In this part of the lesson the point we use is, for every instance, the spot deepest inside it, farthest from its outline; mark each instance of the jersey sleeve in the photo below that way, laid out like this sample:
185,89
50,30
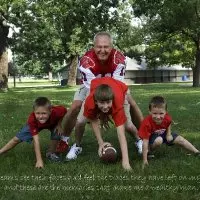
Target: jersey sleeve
84,67
145,130
60,111
33,126
120,61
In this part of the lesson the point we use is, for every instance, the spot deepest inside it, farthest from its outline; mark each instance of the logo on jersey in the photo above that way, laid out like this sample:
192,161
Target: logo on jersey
119,58
87,62
160,131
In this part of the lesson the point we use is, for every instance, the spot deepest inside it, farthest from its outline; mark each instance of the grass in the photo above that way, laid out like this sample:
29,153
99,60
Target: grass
171,175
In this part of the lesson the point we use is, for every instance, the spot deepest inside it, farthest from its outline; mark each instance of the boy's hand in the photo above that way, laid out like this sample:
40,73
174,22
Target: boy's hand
169,138
102,146
145,164
126,166
39,164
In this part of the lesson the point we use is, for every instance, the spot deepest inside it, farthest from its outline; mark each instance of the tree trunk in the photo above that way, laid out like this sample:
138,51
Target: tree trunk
4,71
196,70
73,71
50,76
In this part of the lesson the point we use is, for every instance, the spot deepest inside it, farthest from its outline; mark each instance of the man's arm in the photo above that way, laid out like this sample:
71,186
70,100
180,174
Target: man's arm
36,143
123,146
135,111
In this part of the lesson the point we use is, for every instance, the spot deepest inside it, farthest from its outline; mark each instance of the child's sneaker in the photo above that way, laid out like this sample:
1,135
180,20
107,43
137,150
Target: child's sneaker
138,145
53,157
150,156
62,146
73,153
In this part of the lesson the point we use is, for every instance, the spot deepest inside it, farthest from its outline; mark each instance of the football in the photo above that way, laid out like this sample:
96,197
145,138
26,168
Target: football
109,155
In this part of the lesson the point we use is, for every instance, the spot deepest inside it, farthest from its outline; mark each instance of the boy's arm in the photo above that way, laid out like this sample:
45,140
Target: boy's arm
169,134
123,146
97,132
36,143
145,147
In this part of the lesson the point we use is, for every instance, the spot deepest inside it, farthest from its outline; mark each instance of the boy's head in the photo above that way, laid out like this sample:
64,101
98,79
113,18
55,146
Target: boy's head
103,97
42,109
157,109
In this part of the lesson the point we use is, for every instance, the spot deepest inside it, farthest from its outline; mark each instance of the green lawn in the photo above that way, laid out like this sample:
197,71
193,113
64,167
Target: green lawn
171,175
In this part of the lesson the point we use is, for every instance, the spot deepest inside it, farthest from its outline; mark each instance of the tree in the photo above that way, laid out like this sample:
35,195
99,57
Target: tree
172,32
4,29
57,30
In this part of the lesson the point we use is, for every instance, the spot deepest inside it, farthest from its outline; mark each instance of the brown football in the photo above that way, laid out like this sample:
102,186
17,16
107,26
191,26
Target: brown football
109,155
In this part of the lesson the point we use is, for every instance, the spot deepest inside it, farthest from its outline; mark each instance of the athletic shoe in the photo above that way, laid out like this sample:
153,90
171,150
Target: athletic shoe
138,145
53,157
73,152
150,156
62,146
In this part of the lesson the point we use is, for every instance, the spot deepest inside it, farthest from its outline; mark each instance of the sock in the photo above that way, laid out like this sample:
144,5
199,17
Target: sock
65,138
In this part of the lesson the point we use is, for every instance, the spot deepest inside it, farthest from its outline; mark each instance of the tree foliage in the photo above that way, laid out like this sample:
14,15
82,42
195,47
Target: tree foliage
172,32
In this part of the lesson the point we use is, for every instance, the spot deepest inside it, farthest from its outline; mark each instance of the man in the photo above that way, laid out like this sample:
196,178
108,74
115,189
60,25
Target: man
98,62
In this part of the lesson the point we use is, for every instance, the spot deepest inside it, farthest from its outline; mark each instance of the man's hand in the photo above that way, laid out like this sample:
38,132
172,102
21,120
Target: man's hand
39,164
102,146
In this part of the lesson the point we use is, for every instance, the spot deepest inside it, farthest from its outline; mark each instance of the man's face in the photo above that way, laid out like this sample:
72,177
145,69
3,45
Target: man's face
158,114
104,106
102,47
42,114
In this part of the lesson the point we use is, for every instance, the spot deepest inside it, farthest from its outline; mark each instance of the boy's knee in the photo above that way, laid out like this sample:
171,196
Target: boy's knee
179,140
158,141
16,140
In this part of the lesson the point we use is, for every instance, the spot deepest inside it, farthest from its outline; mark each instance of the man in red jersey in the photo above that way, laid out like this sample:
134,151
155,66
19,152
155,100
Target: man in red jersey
44,116
101,61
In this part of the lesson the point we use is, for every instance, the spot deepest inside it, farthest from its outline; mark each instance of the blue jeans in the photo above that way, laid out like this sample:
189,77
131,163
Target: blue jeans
24,135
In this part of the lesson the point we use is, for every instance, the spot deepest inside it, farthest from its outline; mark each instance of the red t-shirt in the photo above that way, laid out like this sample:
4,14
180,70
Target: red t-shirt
91,110
149,127
57,113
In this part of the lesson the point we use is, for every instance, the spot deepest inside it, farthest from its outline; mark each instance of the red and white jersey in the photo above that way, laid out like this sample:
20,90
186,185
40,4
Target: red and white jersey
91,68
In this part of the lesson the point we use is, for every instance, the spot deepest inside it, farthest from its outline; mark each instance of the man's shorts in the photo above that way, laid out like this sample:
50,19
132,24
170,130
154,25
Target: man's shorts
24,135
154,136
81,93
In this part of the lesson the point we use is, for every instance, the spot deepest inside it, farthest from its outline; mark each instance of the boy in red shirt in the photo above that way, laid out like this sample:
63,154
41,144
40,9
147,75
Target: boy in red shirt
155,129
44,116
107,97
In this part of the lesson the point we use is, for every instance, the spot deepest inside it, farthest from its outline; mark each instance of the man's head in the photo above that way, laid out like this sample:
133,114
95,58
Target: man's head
103,97
42,109
158,109
102,45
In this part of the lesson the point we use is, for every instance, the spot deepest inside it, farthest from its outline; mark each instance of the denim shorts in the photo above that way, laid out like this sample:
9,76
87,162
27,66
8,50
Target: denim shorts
163,136
24,135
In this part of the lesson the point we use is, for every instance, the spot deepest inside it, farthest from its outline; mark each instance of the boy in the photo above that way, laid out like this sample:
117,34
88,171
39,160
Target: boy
155,129
107,97
44,116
